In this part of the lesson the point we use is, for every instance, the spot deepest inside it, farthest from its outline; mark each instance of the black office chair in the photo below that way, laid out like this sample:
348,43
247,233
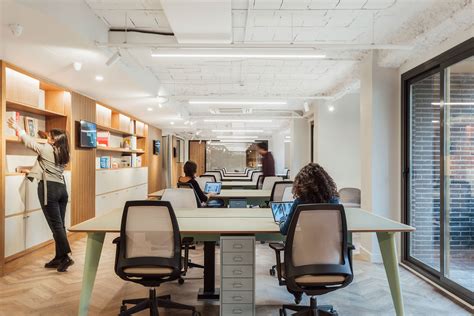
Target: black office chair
149,253
214,203
317,256
259,183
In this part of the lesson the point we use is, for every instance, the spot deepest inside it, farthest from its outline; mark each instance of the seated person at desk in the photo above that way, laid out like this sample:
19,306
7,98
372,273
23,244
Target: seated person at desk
190,169
312,185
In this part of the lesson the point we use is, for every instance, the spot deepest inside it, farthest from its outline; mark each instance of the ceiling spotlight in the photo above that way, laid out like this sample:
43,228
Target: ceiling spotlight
149,109
331,108
306,106
113,59
77,66
172,123
198,132
161,99
160,105
288,137
99,78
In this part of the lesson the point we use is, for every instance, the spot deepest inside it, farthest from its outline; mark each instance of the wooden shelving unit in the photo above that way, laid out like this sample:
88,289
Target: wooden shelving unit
115,131
19,106
15,139
120,150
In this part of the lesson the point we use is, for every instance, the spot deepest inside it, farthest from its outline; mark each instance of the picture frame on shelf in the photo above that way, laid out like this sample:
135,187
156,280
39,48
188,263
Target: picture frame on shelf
31,126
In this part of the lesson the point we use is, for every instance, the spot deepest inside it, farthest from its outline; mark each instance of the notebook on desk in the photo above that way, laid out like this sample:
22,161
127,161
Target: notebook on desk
213,187
280,210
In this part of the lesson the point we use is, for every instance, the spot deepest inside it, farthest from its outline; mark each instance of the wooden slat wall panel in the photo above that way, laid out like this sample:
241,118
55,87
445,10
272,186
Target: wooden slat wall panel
197,153
2,168
82,163
154,162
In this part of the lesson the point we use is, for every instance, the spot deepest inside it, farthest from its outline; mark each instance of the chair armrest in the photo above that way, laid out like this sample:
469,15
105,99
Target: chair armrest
277,246
116,240
351,247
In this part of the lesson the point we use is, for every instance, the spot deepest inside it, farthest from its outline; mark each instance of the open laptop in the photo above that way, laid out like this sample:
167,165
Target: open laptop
213,187
280,210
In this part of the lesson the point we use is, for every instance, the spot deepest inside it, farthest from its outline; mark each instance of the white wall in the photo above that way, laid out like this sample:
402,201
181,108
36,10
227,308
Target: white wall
300,144
337,140
277,147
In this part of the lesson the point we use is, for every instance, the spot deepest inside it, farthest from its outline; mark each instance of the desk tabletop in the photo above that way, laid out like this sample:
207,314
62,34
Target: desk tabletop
247,184
232,178
228,193
240,221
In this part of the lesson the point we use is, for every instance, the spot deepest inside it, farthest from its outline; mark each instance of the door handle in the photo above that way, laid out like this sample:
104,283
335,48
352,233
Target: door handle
238,259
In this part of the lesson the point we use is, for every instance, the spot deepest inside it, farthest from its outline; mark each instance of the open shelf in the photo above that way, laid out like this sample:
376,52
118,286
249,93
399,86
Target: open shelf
13,105
116,131
120,150
107,169
16,139
14,174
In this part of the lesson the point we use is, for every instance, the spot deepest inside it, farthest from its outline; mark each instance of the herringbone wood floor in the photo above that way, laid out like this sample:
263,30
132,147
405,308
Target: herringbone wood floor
29,289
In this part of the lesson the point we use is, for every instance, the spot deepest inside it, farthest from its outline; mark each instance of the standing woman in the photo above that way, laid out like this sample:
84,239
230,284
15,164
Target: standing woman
48,170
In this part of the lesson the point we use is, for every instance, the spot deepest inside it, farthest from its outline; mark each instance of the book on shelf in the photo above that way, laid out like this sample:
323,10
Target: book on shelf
97,162
103,138
134,160
16,117
105,162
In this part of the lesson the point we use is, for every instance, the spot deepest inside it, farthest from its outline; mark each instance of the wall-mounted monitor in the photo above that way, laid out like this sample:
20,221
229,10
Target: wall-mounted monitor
87,134
156,147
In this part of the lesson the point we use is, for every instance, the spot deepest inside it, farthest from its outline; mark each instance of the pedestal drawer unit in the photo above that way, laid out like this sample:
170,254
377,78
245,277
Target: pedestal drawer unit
237,275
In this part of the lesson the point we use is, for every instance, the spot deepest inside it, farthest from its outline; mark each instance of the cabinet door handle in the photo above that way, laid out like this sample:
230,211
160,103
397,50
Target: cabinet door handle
237,311
237,298
237,285
238,246
238,259
237,272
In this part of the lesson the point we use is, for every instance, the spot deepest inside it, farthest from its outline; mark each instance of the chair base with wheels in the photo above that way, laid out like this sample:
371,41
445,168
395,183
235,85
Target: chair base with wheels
152,303
312,310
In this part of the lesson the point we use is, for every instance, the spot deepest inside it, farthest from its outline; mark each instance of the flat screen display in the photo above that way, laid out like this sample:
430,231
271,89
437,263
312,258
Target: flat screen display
280,210
156,147
88,134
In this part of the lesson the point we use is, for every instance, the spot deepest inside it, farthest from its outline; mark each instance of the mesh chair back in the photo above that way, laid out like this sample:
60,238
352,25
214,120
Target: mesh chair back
268,182
259,183
255,175
149,238
279,189
208,177
288,194
184,185
350,196
317,245
180,198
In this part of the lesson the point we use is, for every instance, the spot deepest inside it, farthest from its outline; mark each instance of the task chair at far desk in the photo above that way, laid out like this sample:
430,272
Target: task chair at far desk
149,253
317,256
184,198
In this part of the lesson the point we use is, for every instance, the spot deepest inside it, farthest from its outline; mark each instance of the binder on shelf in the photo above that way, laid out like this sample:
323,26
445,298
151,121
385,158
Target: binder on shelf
105,162
103,138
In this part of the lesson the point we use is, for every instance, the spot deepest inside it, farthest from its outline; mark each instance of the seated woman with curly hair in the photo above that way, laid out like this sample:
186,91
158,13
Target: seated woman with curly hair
312,185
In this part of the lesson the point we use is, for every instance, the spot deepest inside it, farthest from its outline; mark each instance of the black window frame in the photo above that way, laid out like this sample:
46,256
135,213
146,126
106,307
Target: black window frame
435,65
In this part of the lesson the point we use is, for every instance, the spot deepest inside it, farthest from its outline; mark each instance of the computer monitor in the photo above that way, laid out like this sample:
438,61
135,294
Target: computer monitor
237,203
213,187
280,210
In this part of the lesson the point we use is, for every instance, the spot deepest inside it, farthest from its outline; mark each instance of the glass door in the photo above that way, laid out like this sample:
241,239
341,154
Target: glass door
459,174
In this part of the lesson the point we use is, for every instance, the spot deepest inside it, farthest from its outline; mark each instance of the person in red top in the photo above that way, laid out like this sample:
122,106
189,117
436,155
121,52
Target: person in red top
268,163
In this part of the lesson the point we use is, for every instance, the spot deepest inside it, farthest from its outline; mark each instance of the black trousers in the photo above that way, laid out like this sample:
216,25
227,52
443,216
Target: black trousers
55,212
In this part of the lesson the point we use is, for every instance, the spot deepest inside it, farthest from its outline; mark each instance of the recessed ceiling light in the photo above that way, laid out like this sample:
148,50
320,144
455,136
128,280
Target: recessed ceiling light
267,56
288,137
149,109
452,103
287,141
237,130
238,120
306,107
331,108
238,102
172,123
435,121
99,78
77,66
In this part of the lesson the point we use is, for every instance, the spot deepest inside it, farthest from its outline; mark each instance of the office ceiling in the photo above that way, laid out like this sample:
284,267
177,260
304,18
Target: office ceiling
343,30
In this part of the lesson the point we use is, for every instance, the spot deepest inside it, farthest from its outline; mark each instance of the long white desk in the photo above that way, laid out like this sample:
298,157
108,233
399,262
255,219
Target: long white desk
207,224
239,184
226,194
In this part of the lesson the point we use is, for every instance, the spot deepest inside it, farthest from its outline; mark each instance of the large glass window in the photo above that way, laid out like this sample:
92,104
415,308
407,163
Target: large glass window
232,156
438,164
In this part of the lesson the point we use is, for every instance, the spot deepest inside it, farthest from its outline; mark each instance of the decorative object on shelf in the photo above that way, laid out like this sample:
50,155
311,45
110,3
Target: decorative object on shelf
130,142
31,126
126,161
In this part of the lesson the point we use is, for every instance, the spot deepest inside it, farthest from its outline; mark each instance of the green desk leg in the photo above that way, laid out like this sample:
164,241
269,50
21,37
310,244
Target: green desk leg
95,241
388,250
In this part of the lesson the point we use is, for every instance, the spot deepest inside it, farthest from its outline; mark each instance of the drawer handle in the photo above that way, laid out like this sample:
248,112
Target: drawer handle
237,298
237,272
238,246
237,285
237,311
238,259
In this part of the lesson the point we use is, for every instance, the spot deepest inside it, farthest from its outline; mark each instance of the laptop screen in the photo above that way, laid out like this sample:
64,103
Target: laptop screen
213,187
280,210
